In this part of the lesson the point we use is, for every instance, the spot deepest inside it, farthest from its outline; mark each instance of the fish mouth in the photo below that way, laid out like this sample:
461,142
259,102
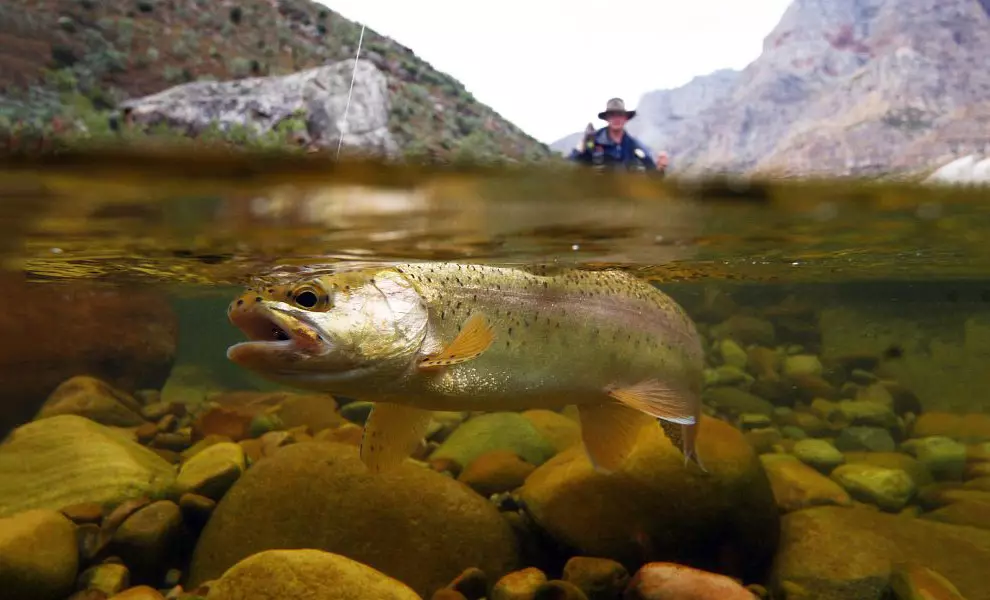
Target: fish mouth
272,333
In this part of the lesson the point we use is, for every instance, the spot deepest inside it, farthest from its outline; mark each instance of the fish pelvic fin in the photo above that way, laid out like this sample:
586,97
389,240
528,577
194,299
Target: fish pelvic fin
683,437
609,432
659,400
391,434
475,336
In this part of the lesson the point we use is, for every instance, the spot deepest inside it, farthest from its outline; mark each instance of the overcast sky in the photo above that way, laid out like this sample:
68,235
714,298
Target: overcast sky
549,66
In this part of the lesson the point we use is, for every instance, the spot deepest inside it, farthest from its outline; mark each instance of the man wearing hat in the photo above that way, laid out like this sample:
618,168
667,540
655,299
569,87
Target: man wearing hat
612,146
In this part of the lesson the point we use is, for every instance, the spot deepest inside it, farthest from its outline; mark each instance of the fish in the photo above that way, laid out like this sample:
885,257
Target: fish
418,337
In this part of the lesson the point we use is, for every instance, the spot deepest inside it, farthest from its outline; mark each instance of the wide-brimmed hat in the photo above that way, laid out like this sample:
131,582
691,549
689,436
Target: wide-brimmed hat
616,105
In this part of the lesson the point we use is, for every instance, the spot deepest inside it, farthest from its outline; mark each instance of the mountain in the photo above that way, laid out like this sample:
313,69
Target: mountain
842,87
66,59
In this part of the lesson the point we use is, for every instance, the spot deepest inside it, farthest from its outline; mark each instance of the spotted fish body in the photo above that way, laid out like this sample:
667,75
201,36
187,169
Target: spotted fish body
449,336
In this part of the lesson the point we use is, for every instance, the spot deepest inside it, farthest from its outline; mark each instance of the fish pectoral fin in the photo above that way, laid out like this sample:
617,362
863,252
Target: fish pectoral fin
657,399
609,432
475,336
391,433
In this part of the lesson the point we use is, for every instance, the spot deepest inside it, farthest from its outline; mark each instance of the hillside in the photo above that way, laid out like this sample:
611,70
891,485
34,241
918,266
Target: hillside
68,60
844,87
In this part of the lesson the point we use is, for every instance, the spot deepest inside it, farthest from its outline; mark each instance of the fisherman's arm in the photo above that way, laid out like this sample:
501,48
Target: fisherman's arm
579,154
645,157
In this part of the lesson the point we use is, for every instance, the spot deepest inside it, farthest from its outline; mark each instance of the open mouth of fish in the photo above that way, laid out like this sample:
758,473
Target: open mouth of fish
270,330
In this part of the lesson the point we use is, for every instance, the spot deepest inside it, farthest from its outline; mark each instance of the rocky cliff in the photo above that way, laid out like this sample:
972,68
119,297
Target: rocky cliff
842,87
73,61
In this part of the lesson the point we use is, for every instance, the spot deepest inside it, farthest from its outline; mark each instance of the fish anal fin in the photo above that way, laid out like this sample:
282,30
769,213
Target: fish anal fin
475,336
609,432
391,433
683,437
658,399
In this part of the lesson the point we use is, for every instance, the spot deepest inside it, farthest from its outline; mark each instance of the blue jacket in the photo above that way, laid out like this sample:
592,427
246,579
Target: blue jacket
607,153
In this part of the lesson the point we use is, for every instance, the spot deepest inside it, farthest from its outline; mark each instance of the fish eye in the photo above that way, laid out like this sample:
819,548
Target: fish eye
307,299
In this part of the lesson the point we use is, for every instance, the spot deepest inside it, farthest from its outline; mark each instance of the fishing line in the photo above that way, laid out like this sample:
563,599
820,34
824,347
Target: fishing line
347,106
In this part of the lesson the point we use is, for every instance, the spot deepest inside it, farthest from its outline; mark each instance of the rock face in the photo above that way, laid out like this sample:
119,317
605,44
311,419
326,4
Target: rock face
319,94
850,87
413,524
663,114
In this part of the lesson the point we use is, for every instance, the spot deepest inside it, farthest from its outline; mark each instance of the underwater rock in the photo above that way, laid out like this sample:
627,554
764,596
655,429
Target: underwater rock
725,520
746,330
734,402
796,485
495,431
519,585
966,512
141,592
732,353
306,573
94,399
64,460
860,438
938,495
149,539
124,337
973,428
556,589
38,556
911,581
357,412
448,594
866,412
413,524
893,460
890,489
560,430
819,454
801,365
669,581
838,553
196,509
472,584
212,471
945,458
495,472
109,578
598,578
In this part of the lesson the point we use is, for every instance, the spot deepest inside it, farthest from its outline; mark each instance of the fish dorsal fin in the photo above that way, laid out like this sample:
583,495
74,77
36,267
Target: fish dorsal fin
609,432
657,399
391,433
475,336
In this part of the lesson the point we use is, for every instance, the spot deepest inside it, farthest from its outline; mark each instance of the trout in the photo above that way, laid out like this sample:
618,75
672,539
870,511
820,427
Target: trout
414,338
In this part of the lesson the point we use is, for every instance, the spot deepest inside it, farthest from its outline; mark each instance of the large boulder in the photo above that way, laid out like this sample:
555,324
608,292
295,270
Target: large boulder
63,460
319,95
657,509
833,553
38,556
306,573
412,524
